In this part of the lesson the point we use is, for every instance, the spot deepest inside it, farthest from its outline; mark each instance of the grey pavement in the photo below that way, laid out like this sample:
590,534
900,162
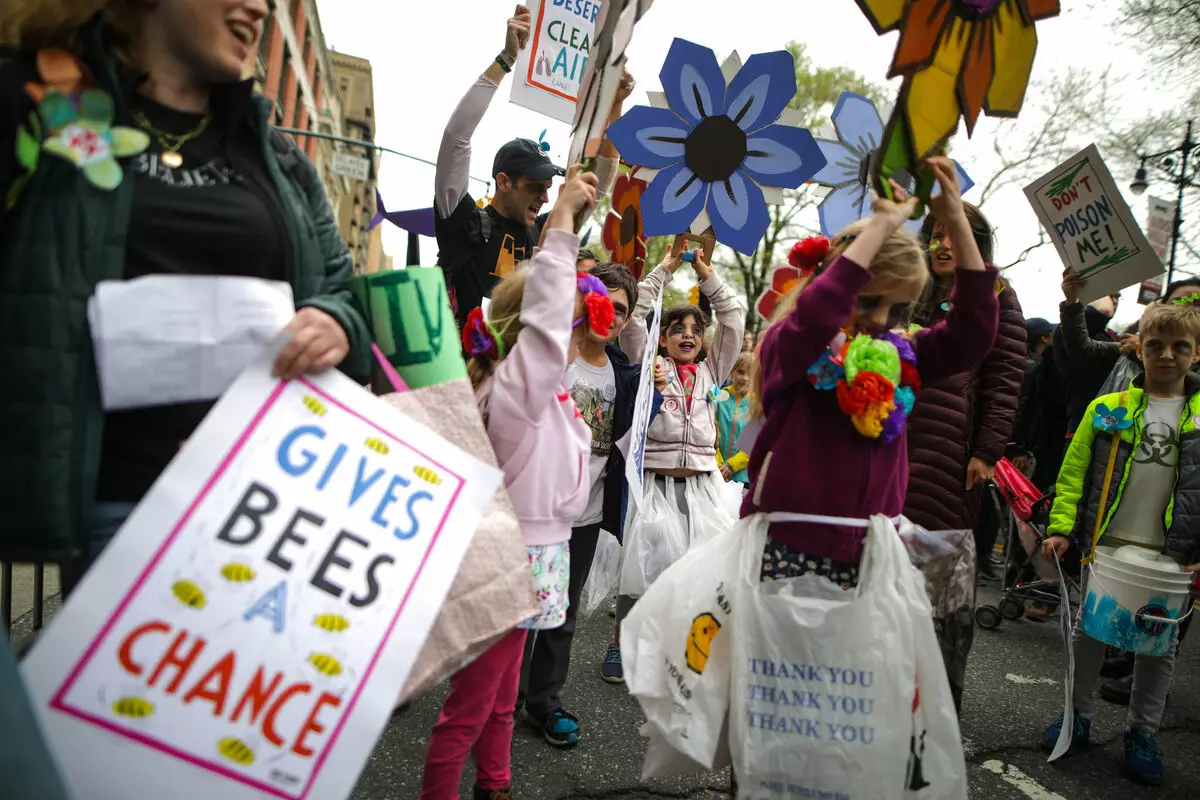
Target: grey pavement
1014,690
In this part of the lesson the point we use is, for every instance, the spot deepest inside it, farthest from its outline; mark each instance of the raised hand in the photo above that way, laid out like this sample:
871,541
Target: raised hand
577,196
517,34
947,204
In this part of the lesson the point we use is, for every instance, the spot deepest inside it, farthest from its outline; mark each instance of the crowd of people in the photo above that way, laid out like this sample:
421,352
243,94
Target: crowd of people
890,381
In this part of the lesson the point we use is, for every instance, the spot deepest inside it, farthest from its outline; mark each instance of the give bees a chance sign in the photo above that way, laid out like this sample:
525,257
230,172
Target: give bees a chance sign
248,630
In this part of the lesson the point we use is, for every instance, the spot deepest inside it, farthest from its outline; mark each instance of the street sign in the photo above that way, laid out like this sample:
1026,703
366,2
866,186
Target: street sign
349,165
1160,226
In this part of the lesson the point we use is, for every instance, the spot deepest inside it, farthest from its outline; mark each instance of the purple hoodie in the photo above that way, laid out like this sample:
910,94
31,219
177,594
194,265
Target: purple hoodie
808,458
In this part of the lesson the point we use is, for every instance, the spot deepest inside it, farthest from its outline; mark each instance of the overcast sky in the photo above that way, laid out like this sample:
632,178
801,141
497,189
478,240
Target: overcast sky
426,54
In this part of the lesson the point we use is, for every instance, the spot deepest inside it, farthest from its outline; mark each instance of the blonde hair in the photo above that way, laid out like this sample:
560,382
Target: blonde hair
1171,319
900,261
37,24
504,315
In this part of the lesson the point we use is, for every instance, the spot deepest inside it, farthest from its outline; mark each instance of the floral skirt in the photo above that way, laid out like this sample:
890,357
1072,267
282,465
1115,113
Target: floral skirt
550,565
781,562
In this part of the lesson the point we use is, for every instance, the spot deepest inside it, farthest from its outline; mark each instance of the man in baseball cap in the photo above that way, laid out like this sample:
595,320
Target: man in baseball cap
478,244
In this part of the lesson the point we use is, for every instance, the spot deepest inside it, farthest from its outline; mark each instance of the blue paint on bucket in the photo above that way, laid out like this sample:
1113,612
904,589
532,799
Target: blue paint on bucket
1108,621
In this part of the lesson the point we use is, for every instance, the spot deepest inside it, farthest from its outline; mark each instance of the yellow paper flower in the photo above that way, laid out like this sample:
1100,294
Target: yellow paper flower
870,422
959,57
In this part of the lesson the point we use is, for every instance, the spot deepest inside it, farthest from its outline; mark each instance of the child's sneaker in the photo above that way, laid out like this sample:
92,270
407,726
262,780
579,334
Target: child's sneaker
1080,734
493,794
1143,759
611,669
560,729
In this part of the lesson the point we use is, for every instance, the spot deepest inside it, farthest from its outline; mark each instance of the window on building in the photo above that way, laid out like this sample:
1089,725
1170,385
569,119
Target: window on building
367,111
281,89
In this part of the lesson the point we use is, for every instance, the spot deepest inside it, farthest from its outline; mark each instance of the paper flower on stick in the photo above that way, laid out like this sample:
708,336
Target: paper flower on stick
958,57
82,133
803,260
623,236
717,146
1112,419
859,130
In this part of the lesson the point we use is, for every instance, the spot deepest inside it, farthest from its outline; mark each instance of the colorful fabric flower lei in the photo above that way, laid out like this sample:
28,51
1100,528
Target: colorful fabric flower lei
876,381
479,338
600,312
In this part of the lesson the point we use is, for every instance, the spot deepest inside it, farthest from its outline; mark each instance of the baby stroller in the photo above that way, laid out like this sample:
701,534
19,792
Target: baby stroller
1037,578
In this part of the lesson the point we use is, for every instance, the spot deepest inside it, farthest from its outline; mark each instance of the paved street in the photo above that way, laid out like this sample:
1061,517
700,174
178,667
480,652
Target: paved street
1015,689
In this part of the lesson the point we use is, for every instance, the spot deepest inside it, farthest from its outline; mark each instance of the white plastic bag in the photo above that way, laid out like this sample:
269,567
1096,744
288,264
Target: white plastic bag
605,573
822,689
708,507
655,538
663,761
676,650
1124,371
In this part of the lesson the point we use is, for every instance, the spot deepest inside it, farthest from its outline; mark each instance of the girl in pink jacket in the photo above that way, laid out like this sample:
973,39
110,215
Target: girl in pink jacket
518,358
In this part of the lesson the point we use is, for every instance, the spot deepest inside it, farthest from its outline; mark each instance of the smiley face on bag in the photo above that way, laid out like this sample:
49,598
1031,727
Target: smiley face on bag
699,644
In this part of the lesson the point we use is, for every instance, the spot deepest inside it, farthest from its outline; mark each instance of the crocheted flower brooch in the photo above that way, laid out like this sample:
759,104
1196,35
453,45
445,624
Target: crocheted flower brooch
876,381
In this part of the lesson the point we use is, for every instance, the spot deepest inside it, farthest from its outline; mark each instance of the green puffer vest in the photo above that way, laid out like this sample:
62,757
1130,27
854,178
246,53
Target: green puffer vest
61,239
1081,479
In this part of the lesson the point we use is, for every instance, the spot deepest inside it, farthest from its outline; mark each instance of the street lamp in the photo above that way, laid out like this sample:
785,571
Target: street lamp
1181,178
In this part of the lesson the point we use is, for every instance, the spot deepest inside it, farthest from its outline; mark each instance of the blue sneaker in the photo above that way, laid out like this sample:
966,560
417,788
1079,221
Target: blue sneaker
561,729
1143,759
1080,734
611,670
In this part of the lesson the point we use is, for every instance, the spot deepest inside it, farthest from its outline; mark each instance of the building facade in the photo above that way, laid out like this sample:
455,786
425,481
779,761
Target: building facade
297,71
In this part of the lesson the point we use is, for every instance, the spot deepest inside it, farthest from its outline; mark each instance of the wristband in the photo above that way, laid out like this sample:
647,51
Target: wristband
505,62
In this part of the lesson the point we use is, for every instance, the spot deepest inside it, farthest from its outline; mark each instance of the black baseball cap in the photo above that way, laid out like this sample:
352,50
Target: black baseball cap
524,157
1036,328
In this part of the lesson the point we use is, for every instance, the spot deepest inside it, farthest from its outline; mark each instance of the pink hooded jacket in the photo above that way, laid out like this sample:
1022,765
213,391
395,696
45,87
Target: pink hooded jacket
540,439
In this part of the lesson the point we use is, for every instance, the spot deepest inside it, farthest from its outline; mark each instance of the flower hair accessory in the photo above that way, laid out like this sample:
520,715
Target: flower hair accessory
876,381
808,255
600,312
479,338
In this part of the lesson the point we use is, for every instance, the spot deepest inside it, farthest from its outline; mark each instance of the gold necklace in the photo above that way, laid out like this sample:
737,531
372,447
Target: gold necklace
171,143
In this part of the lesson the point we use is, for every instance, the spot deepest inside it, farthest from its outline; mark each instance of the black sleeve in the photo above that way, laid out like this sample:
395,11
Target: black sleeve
14,108
457,235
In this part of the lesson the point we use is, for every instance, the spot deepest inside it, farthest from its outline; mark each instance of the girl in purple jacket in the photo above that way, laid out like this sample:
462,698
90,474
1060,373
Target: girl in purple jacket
838,380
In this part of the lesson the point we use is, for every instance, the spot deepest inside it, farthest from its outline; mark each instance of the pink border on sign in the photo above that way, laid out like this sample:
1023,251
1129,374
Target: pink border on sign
59,702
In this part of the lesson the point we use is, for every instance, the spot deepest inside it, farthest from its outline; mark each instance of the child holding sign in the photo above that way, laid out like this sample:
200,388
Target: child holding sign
518,357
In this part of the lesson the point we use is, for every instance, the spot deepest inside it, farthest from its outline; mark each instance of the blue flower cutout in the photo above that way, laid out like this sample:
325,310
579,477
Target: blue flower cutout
825,373
848,160
717,144
1112,419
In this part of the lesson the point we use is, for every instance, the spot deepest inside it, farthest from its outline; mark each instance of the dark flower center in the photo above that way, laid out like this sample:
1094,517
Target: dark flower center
715,148
629,224
976,8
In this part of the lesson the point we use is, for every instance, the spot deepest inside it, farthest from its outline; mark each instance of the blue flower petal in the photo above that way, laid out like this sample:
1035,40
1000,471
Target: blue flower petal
781,155
842,165
857,122
672,201
964,180
649,137
1120,412
1102,410
692,81
761,90
842,207
739,212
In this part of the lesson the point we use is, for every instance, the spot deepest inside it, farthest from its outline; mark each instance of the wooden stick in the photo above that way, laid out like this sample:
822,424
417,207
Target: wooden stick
1108,476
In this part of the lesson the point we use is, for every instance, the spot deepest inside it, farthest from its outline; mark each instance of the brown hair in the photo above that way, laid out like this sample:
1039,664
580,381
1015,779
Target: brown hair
1171,319
617,276
504,315
900,260
36,24
680,313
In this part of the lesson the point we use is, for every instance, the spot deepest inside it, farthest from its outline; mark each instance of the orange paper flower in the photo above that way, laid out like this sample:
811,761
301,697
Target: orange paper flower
868,389
783,279
623,235
960,57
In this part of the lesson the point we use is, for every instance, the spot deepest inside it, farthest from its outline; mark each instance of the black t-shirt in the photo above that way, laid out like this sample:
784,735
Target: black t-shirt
472,265
206,217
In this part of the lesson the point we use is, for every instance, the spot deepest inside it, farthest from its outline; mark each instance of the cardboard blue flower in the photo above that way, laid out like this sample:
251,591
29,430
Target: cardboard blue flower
717,145
825,373
860,132
1112,419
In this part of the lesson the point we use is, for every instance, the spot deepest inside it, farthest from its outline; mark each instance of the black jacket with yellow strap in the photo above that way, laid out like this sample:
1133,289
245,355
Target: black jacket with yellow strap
63,236
1081,480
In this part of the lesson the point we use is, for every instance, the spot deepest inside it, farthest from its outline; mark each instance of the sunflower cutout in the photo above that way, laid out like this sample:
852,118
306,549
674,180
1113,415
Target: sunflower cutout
624,236
859,132
783,279
958,57
719,147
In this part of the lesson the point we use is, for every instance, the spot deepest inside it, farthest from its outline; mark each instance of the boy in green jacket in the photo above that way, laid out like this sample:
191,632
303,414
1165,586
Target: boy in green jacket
1152,482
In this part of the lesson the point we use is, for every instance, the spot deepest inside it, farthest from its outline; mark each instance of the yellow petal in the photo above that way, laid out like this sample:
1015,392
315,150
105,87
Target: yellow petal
883,14
1015,46
128,142
104,174
59,148
932,106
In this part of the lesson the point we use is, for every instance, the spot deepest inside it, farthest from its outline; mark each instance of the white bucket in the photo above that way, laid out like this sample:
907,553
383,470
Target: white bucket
1135,615
1143,576
1143,563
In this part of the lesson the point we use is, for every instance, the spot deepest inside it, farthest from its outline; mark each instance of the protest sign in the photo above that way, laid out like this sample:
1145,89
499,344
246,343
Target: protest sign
1091,226
641,411
246,633
1160,226
549,69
